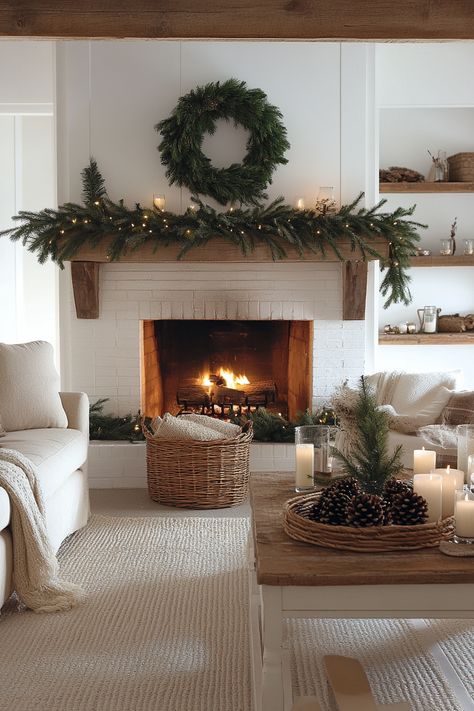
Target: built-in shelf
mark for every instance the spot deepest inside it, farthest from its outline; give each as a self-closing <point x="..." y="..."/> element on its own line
<point x="426" y="187"/>
<point x="426" y="339"/>
<point x="437" y="260"/>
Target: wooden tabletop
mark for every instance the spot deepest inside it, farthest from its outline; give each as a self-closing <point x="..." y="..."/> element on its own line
<point x="280" y="560"/>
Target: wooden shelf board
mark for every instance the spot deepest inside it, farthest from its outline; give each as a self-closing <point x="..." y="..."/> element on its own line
<point x="426" y="187"/>
<point x="438" y="260"/>
<point x="426" y="339"/>
<point x="218" y="250"/>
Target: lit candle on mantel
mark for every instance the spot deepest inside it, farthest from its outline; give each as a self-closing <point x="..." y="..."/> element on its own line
<point x="300" y="204"/>
<point x="159" y="202"/>
<point x="304" y="467"/>
<point x="452" y="479"/>
<point x="424" y="461"/>
<point x="429" y="486"/>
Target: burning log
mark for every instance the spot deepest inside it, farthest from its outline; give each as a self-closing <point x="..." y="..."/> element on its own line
<point x="195" y="395"/>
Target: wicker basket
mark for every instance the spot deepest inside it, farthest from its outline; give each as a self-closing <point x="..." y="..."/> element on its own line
<point x="198" y="475"/>
<point x="461" y="167"/>
<point x="373" y="539"/>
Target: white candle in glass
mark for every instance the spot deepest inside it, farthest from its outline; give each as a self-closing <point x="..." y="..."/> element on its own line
<point x="159" y="202"/>
<point x="452" y="479"/>
<point x="464" y="516"/>
<point x="304" y="466"/>
<point x="300" y="204"/>
<point x="424" y="461"/>
<point x="429" y="486"/>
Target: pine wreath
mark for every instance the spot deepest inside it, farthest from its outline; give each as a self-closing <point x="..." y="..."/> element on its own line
<point x="196" y="114"/>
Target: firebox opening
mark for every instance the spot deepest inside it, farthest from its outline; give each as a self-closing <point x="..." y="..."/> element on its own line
<point x="217" y="367"/>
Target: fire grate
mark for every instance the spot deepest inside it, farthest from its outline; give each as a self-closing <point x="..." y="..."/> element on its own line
<point x="219" y="400"/>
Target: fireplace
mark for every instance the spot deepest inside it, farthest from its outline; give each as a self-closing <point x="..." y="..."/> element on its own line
<point x="222" y="366"/>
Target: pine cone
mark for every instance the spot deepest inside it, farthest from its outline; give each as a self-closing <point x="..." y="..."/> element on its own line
<point x="314" y="514"/>
<point x="365" y="510"/>
<point x="333" y="509"/>
<point x="409" y="509"/>
<point x="349" y="486"/>
<point x="393" y="487"/>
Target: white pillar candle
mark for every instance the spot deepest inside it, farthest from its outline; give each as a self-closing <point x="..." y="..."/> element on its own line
<point x="464" y="517"/>
<point x="300" y="204"/>
<point x="452" y="479"/>
<point x="304" y="466"/>
<point x="424" y="461"/>
<point x="429" y="486"/>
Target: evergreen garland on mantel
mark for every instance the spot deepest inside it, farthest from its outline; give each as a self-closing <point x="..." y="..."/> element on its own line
<point x="60" y="234"/>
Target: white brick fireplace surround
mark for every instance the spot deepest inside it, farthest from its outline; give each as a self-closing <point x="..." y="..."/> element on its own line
<point x="102" y="356"/>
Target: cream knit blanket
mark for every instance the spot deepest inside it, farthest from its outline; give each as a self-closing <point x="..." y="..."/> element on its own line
<point x="35" y="567"/>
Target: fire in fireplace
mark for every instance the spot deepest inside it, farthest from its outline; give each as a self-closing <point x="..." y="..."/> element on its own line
<point x="220" y="367"/>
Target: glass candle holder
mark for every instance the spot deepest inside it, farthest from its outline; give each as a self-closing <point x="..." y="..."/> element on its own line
<point x="464" y="516"/>
<point x="465" y="437"/>
<point x="445" y="247"/>
<point x="159" y="202"/>
<point x="311" y="453"/>
<point x="468" y="246"/>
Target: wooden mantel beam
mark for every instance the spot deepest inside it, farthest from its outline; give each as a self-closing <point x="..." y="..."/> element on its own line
<point x="239" y="19"/>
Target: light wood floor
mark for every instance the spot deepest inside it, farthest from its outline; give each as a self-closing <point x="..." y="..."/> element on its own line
<point x="136" y="502"/>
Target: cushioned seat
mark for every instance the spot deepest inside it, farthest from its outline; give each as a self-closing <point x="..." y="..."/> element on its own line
<point x="412" y="442"/>
<point x="55" y="452"/>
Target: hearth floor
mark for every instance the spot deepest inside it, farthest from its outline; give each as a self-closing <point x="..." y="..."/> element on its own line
<point x="136" y="502"/>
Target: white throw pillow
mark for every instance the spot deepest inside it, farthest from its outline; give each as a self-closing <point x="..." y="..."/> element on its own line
<point x="416" y="392"/>
<point x="29" y="387"/>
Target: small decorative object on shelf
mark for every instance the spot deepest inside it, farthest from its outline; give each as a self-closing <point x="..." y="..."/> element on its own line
<point x="468" y="246"/>
<point x="428" y="317"/>
<point x="325" y="202"/>
<point x="461" y="167"/>
<point x="397" y="174"/>
<point x="445" y="247"/>
<point x="391" y="330"/>
<point x="464" y="516"/>
<point x="420" y="252"/>
<point x="411" y="327"/>
<point x="454" y="323"/>
<point x="439" y="171"/>
<point x="402" y="328"/>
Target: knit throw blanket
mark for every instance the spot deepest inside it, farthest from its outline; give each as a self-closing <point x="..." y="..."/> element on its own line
<point x="35" y="567"/>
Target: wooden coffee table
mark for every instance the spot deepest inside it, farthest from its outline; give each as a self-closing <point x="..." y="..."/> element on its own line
<point x="292" y="579"/>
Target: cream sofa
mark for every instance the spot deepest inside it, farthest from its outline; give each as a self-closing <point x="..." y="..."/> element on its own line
<point x="415" y="400"/>
<point x="60" y="457"/>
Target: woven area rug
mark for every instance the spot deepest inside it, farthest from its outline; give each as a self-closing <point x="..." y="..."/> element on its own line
<point x="164" y="628"/>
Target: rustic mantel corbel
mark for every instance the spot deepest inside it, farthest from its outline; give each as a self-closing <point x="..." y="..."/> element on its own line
<point x="85" y="268"/>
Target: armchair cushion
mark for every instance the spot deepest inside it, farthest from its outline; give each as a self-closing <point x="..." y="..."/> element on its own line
<point x="460" y="409"/>
<point x="29" y="387"/>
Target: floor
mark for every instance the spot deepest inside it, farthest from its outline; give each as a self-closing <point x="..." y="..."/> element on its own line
<point x="136" y="502"/>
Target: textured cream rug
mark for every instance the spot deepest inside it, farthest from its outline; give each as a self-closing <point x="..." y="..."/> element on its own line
<point x="164" y="628"/>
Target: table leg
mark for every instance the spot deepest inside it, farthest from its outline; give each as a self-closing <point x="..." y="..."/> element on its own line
<point x="272" y="638"/>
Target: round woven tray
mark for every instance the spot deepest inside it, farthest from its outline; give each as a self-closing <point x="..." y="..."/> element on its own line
<point x="198" y="475"/>
<point x="372" y="539"/>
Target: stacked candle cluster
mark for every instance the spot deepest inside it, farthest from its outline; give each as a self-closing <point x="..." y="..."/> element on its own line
<point x="445" y="492"/>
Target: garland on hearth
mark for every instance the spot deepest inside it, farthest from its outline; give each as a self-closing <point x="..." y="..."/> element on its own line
<point x="60" y="234"/>
<point x="196" y="114"/>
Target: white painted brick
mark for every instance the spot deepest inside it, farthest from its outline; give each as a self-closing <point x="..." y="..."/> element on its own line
<point x="265" y="310"/>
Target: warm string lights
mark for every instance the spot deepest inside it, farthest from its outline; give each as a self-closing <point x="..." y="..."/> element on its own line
<point x="60" y="234"/>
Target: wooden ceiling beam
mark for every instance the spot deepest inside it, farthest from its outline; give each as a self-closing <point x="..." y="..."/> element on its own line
<point x="239" y="19"/>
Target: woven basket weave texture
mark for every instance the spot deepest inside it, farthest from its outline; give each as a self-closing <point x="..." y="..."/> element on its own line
<point x="461" y="167"/>
<point x="198" y="475"/>
<point x="372" y="539"/>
